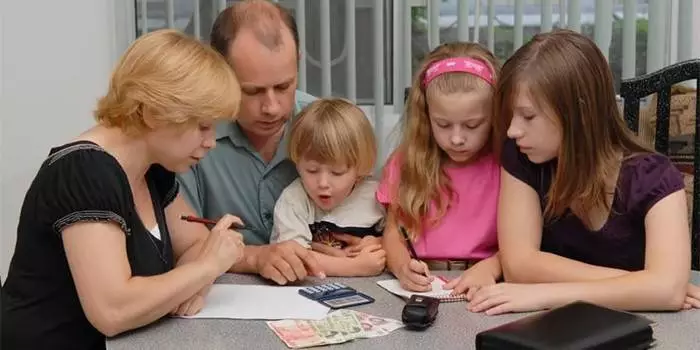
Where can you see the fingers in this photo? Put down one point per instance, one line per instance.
(270, 272)
(692, 302)
(226, 222)
(471, 292)
(488, 300)
(408, 284)
(309, 261)
(349, 239)
(419, 267)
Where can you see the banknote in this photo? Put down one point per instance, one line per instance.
(338, 327)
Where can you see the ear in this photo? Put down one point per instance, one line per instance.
(148, 118)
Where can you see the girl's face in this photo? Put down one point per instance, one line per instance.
(460, 122)
(534, 130)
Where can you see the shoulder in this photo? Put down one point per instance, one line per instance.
(302, 99)
(79, 182)
(517, 164)
(389, 178)
(647, 178)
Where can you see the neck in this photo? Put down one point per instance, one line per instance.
(130, 151)
(265, 145)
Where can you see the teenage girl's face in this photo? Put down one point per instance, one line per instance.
(461, 122)
(326, 184)
(534, 130)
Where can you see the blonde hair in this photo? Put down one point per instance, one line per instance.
(334, 131)
(568, 76)
(422, 179)
(170, 78)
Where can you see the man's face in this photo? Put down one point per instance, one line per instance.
(268, 79)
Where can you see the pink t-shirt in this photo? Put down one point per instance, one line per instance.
(468, 228)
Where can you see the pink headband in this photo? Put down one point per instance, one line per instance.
(458, 64)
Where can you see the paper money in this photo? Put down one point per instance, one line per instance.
(338, 327)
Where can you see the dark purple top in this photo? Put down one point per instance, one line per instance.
(620, 243)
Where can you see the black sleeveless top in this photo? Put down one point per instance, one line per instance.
(78, 182)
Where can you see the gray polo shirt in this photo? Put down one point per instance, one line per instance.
(233, 178)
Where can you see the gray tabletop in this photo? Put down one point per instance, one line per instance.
(455, 328)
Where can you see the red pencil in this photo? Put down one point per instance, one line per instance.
(191, 218)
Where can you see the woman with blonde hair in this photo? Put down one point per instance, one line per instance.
(101, 248)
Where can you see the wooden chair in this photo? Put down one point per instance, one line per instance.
(660, 83)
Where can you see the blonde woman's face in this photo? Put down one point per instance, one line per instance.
(177, 148)
(460, 122)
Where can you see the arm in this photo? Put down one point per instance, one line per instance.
(113, 300)
(662, 285)
(370, 262)
(519, 237)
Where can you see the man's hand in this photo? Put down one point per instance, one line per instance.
(287, 262)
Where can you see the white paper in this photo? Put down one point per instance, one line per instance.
(255, 302)
(393, 286)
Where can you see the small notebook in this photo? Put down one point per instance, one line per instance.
(393, 286)
(577, 325)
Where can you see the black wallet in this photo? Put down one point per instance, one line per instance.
(578, 325)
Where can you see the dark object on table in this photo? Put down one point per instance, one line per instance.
(420, 312)
(577, 325)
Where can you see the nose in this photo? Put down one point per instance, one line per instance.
(209, 140)
(271, 105)
(514, 130)
(323, 181)
(457, 139)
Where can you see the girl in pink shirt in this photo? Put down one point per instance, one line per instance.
(441, 185)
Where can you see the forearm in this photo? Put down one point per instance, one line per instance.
(635, 291)
(396, 253)
(143, 300)
(339, 266)
(492, 264)
(542, 267)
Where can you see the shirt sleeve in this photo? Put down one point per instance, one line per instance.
(652, 179)
(389, 181)
(292, 215)
(190, 187)
(86, 186)
(517, 164)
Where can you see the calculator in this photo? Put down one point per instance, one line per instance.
(335, 295)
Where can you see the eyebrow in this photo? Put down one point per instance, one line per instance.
(254, 86)
(469, 119)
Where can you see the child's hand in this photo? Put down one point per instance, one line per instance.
(476, 276)
(371, 260)
(415, 276)
(328, 250)
(692, 299)
(355, 244)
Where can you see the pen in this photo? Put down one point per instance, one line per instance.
(414, 256)
(191, 218)
(411, 250)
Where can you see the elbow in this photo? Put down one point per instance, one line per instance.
(107, 320)
(674, 296)
(515, 269)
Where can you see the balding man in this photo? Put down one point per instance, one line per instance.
(246, 172)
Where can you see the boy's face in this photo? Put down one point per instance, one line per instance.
(326, 184)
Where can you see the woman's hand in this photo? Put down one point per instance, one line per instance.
(478, 275)
(509, 297)
(692, 299)
(223, 247)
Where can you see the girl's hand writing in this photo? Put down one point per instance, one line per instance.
(415, 276)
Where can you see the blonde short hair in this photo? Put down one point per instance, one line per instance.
(334, 131)
(172, 79)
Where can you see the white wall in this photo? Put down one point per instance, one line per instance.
(55, 61)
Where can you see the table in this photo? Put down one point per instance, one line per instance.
(455, 328)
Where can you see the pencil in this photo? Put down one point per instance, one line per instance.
(191, 218)
(414, 256)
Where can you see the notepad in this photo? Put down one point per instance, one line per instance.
(255, 302)
(394, 287)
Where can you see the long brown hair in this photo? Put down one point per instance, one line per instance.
(422, 180)
(567, 74)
